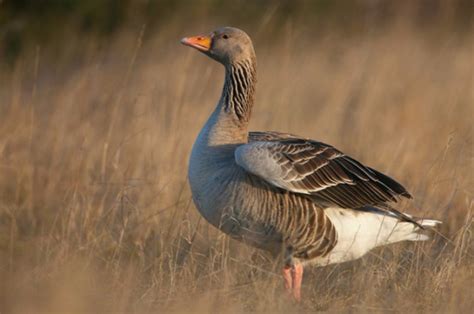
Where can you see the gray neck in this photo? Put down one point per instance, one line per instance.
(238, 94)
(228, 124)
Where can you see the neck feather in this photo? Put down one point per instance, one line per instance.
(238, 94)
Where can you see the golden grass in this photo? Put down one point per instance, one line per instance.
(95, 210)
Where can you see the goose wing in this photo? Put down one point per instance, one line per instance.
(316, 169)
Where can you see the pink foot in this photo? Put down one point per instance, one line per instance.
(297, 273)
(287, 276)
(293, 276)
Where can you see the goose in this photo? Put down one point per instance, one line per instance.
(297, 198)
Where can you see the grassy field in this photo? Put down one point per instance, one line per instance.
(95, 210)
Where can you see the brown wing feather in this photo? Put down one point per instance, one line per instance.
(326, 174)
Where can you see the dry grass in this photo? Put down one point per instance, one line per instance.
(95, 210)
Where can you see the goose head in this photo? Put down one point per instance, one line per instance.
(227, 45)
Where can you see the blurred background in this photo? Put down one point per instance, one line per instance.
(100, 105)
(54, 24)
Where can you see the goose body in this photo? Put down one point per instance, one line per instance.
(283, 193)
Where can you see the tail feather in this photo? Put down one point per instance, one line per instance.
(366, 228)
(417, 234)
(417, 237)
(431, 223)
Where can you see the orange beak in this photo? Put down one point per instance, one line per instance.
(202, 43)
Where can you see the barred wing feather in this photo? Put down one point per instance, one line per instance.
(308, 167)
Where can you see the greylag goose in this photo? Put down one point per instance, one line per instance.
(283, 193)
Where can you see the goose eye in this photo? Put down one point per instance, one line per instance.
(225, 36)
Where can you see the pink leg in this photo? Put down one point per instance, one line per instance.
(293, 276)
(287, 276)
(297, 274)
